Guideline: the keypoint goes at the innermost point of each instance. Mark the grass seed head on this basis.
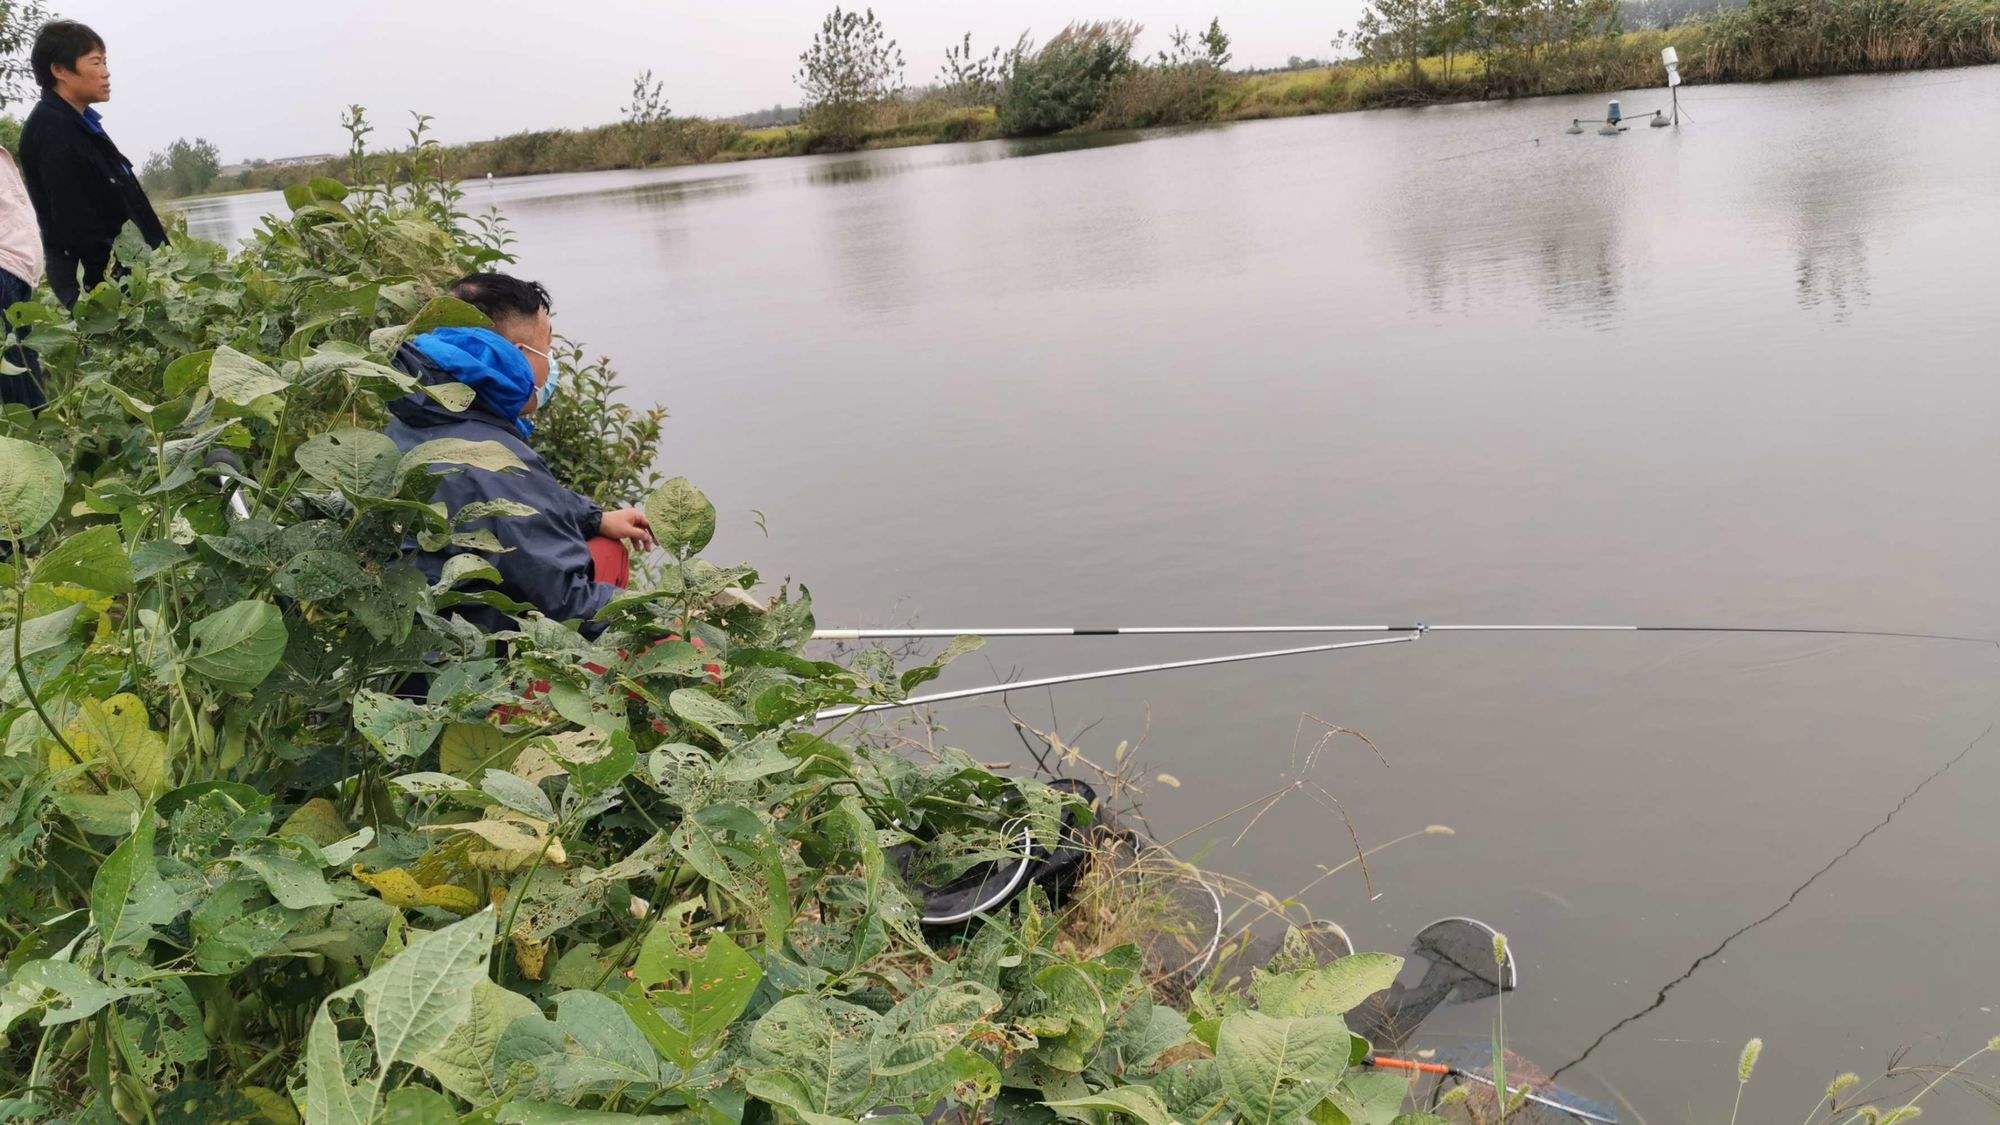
(1747, 1061)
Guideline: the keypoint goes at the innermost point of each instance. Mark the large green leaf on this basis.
(699, 999)
(460, 453)
(811, 1054)
(60, 991)
(517, 793)
(239, 646)
(355, 461)
(683, 519)
(229, 933)
(412, 1005)
(1277, 1069)
(93, 558)
(1072, 1020)
(928, 1024)
(295, 883)
(447, 312)
(1138, 1102)
(592, 1045)
(1373, 1098)
(31, 487)
(1331, 990)
(39, 635)
(127, 898)
(704, 711)
(464, 1063)
(240, 379)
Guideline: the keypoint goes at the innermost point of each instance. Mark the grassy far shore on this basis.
(1767, 40)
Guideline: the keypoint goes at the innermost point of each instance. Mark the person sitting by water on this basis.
(565, 560)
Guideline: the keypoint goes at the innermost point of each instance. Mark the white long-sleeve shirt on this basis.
(20, 235)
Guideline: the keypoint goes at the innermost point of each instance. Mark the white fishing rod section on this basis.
(871, 633)
(1103, 674)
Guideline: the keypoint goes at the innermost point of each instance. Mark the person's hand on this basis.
(628, 523)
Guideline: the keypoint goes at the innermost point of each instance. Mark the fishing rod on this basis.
(873, 633)
(1104, 674)
(1443, 1071)
(1401, 633)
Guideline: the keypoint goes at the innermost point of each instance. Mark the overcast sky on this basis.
(269, 77)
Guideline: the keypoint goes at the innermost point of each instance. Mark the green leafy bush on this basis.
(1064, 83)
(595, 443)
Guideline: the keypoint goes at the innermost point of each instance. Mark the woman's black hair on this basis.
(501, 296)
(59, 44)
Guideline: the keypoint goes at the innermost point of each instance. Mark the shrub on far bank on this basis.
(851, 68)
(1068, 80)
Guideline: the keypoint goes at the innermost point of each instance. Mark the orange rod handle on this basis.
(1409, 1064)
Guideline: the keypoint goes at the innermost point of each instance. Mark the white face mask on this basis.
(547, 390)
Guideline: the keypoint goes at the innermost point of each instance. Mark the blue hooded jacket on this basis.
(488, 363)
(548, 564)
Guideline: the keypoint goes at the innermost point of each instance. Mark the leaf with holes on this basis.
(704, 711)
(93, 558)
(1277, 1069)
(354, 461)
(395, 726)
(1331, 990)
(239, 646)
(683, 520)
(458, 453)
(412, 1006)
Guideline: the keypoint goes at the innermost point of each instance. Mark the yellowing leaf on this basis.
(469, 749)
(531, 956)
(316, 820)
(400, 888)
(516, 842)
(118, 733)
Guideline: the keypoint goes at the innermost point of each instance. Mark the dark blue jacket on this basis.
(84, 192)
(549, 565)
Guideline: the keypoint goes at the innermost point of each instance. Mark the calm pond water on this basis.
(1440, 365)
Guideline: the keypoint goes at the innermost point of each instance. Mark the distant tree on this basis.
(649, 101)
(182, 168)
(19, 21)
(852, 68)
(644, 116)
(10, 134)
(969, 79)
(1216, 43)
(1395, 32)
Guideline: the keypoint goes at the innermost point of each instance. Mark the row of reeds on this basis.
(1766, 39)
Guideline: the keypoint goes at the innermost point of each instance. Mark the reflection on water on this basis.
(657, 194)
(1413, 365)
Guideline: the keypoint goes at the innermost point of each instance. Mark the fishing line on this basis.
(1418, 628)
(1661, 998)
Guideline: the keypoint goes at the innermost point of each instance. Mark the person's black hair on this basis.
(59, 44)
(502, 297)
